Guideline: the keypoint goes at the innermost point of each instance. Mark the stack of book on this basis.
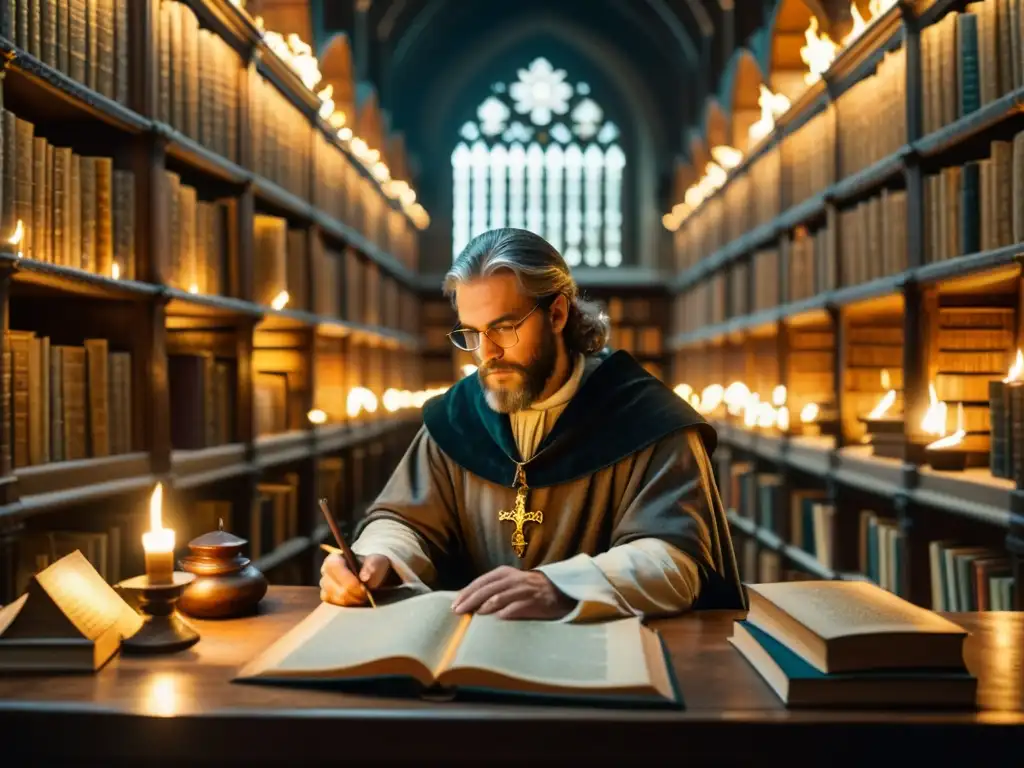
(853, 644)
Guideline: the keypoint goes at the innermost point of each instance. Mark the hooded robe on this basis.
(617, 466)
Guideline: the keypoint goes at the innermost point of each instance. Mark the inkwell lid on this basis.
(216, 552)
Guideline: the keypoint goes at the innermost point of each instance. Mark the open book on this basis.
(69, 619)
(422, 640)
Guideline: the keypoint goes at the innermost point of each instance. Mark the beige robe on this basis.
(433, 508)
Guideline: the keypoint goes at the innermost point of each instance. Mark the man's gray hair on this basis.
(542, 273)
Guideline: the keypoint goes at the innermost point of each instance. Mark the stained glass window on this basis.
(542, 155)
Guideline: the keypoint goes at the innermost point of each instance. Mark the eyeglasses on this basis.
(505, 335)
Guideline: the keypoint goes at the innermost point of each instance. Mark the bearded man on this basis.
(561, 481)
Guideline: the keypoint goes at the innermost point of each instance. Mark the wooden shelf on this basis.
(199, 158)
(973, 493)
(967, 127)
(869, 179)
(76, 282)
(284, 448)
(46, 487)
(191, 469)
(44, 94)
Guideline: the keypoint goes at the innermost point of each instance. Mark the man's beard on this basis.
(534, 377)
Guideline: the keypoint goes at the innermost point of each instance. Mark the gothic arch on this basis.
(647, 143)
(716, 125)
(336, 68)
(369, 121)
(700, 156)
(741, 87)
(788, 23)
(542, 154)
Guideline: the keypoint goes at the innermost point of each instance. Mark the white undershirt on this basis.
(531, 425)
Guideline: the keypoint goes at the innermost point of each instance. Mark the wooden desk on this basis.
(183, 707)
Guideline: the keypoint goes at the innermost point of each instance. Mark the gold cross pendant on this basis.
(519, 515)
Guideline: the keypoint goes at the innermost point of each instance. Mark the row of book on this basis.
(203, 396)
(64, 208)
(344, 284)
(201, 82)
(850, 134)
(970, 59)
(977, 206)
(750, 200)
(63, 402)
(810, 258)
(78, 211)
(87, 40)
(863, 137)
(963, 577)
(198, 84)
(853, 246)
(199, 239)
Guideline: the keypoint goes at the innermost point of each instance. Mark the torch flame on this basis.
(817, 53)
(859, 25)
(772, 105)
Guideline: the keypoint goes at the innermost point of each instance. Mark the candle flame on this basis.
(934, 421)
(280, 301)
(194, 288)
(1016, 370)
(711, 397)
(782, 418)
(779, 396)
(727, 157)
(360, 399)
(19, 234)
(683, 391)
(809, 413)
(317, 416)
(887, 400)
(156, 502)
(115, 271)
(954, 439)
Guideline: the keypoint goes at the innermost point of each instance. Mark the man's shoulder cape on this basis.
(620, 409)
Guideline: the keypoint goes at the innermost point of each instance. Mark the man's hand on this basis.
(340, 586)
(513, 594)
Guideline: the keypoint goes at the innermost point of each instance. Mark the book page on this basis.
(841, 608)
(333, 639)
(82, 595)
(600, 655)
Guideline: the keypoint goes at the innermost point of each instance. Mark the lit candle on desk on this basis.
(158, 542)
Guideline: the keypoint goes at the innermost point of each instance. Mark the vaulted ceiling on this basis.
(434, 60)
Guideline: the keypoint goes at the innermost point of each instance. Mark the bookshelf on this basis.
(196, 274)
(867, 250)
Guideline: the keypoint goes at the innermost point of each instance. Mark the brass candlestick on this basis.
(165, 631)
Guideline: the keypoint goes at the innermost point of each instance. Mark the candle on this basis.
(158, 542)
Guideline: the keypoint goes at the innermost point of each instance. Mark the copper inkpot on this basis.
(227, 584)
